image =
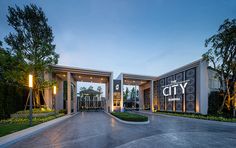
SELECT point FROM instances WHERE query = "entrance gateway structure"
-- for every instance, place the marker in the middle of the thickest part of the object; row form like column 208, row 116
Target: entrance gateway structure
column 184, row 89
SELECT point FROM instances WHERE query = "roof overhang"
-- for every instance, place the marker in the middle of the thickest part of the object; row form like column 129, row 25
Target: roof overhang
column 134, row 79
column 82, row 74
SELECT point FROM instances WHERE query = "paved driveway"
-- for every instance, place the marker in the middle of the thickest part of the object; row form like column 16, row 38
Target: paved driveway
column 98, row 130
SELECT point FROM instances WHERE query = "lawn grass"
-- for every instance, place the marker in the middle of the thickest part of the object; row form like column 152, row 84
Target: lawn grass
column 16, row 124
column 130, row 116
column 198, row 116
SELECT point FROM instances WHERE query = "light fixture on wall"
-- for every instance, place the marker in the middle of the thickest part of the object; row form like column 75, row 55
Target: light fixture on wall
column 54, row 90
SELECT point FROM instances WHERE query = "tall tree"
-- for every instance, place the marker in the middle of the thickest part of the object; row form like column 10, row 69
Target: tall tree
column 99, row 89
column 133, row 94
column 90, row 87
column 126, row 94
column 222, row 55
column 31, row 43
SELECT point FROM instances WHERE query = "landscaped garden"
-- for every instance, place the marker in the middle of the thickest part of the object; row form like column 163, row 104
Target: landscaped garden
column 198, row 116
column 130, row 116
column 20, row 121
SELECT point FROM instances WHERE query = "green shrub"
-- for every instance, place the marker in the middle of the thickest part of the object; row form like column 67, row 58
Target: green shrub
column 35, row 111
column 198, row 116
column 130, row 116
column 215, row 100
column 63, row 111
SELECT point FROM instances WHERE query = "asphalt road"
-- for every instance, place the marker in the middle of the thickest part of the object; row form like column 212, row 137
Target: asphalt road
column 98, row 130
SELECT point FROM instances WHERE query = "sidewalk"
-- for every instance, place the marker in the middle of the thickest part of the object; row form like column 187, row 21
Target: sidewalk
column 186, row 118
column 17, row 136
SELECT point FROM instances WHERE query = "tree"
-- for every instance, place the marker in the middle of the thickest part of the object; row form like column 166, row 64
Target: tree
column 99, row 89
column 31, row 44
column 133, row 94
column 11, row 94
column 90, row 87
column 222, row 55
column 126, row 94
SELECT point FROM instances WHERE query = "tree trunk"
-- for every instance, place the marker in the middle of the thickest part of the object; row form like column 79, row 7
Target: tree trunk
column 37, row 98
column 234, row 105
column 228, row 95
column 223, row 103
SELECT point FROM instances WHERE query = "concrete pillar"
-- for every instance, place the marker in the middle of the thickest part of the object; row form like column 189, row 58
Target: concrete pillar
column 141, row 98
column 202, row 103
column 68, row 93
column 151, row 96
column 59, row 95
column 48, row 91
column 111, row 92
column 107, row 97
column 75, row 97
column 121, row 93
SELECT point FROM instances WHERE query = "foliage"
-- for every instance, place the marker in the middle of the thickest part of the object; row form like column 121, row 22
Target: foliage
column 214, row 102
column 12, row 95
column 198, row 116
column 63, row 111
column 16, row 124
column 130, row 116
column 222, row 55
column 31, row 46
column 126, row 94
column 35, row 111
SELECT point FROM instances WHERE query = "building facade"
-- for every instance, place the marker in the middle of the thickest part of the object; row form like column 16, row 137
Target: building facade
column 185, row 89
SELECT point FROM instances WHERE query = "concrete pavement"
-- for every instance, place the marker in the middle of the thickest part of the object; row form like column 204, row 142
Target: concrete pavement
column 98, row 130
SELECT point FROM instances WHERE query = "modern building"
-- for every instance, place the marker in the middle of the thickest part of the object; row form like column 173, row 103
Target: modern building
column 185, row 89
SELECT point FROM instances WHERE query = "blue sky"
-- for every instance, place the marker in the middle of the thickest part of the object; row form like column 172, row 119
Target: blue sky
column 148, row 37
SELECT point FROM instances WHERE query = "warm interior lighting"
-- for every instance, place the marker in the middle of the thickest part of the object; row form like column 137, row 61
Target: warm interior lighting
column 54, row 90
column 91, row 78
column 79, row 76
column 30, row 80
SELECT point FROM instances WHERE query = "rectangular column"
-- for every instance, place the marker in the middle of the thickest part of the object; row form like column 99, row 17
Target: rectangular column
column 75, row 97
column 48, row 91
column 68, row 93
column 59, row 95
column 107, row 98
column 141, row 98
column 111, row 92
column 121, row 94
column 151, row 96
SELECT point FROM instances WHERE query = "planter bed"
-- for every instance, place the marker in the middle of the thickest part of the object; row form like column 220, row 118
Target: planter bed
column 130, row 116
column 12, row 125
column 197, row 116
column 34, row 115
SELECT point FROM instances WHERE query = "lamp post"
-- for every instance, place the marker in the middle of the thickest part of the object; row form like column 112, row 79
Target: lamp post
column 30, row 87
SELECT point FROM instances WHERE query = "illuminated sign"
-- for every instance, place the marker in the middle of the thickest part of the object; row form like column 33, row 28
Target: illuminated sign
column 117, row 85
column 167, row 91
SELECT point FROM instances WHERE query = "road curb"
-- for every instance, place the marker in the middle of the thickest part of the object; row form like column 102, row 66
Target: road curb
column 17, row 136
column 128, row 122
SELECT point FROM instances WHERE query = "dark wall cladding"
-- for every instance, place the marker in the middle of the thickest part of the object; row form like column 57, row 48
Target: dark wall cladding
column 190, row 90
column 188, row 99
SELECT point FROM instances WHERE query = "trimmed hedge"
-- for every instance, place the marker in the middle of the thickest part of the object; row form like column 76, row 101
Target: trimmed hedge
column 130, row 116
column 198, row 116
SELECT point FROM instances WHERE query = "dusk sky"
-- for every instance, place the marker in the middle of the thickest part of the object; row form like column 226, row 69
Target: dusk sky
column 148, row 37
